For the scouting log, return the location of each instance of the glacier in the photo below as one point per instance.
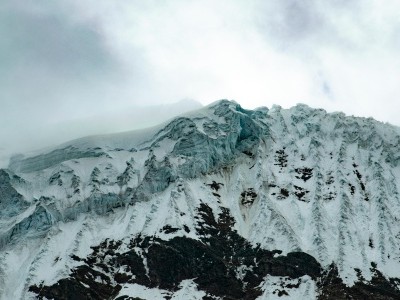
(298, 186)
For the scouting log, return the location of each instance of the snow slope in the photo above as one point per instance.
(295, 180)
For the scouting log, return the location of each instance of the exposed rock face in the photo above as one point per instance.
(224, 202)
(222, 263)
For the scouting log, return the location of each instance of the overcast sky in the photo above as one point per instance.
(66, 62)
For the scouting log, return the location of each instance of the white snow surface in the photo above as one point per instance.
(349, 213)
(187, 291)
(283, 288)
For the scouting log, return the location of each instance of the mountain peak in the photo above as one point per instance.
(291, 195)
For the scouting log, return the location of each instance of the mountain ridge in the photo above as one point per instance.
(295, 180)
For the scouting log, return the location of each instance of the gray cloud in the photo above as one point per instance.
(302, 25)
(51, 41)
(54, 68)
(291, 21)
(68, 61)
(44, 54)
(347, 47)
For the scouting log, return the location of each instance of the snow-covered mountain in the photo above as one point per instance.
(221, 203)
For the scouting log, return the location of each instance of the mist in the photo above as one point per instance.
(74, 68)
